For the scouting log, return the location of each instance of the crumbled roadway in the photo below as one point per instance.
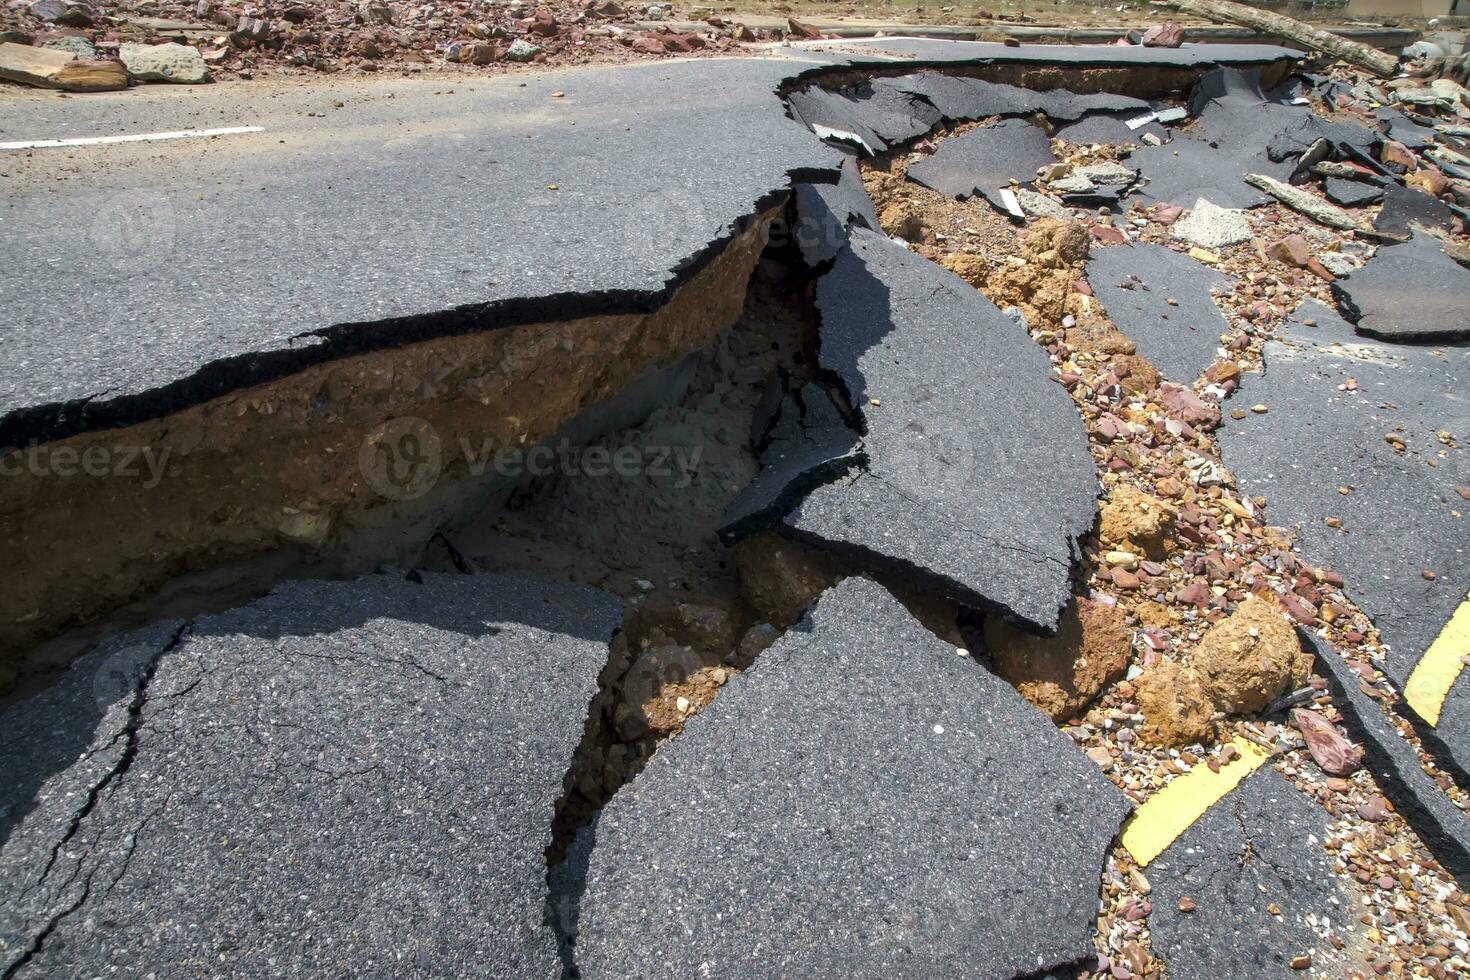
(1440, 824)
(171, 304)
(863, 802)
(1260, 846)
(320, 783)
(1319, 436)
(975, 483)
(1161, 299)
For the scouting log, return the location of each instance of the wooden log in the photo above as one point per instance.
(1362, 56)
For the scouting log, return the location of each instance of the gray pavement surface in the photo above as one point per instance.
(961, 99)
(1439, 823)
(1260, 845)
(1108, 127)
(861, 803)
(1397, 519)
(984, 160)
(1408, 292)
(322, 783)
(974, 483)
(1135, 284)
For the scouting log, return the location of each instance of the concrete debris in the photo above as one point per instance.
(1212, 227)
(1308, 204)
(177, 63)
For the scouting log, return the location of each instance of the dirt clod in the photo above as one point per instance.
(1062, 674)
(1251, 658)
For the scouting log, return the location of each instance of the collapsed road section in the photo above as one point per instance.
(797, 648)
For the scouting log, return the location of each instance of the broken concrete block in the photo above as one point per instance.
(375, 757)
(863, 784)
(975, 483)
(1305, 202)
(984, 160)
(1212, 227)
(1136, 284)
(178, 63)
(1256, 850)
(32, 66)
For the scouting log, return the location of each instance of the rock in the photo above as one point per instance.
(543, 22)
(800, 30)
(1063, 673)
(1293, 250)
(476, 53)
(84, 49)
(32, 66)
(1308, 204)
(1339, 264)
(250, 30)
(178, 63)
(1108, 173)
(1175, 707)
(1136, 374)
(92, 76)
(1251, 658)
(1329, 747)
(1212, 227)
(521, 50)
(1165, 35)
(1135, 522)
(1182, 403)
(64, 13)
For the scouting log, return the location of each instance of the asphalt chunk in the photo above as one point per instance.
(961, 99)
(1439, 823)
(1409, 292)
(825, 211)
(1136, 283)
(1351, 193)
(984, 160)
(1108, 127)
(974, 483)
(1258, 848)
(831, 116)
(861, 803)
(1335, 399)
(342, 778)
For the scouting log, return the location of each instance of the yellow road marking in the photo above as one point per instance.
(1170, 811)
(1440, 666)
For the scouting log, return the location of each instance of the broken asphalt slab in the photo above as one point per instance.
(973, 482)
(1409, 292)
(1136, 284)
(862, 802)
(324, 782)
(985, 160)
(961, 99)
(1332, 398)
(1260, 846)
(824, 212)
(1439, 823)
(168, 302)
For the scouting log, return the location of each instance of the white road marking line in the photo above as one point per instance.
(138, 138)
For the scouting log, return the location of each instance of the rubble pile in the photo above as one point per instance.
(218, 39)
